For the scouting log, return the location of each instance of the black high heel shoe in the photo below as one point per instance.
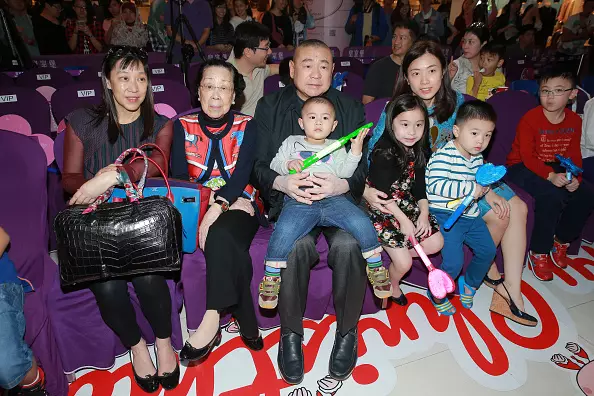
(168, 381)
(188, 352)
(255, 344)
(506, 307)
(402, 300)
(149, 383)
(492, 283)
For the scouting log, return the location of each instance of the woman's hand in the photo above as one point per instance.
(423, 228)
(245, 205)
(452, 68)
(108, 168)
(88, 192)
(498, 204)
(85, 29)
(212, 214)
(377, 199)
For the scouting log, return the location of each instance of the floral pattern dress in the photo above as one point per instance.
(387, 227)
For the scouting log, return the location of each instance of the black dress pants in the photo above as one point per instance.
(349, 279)
(118, 313)
(229, 268)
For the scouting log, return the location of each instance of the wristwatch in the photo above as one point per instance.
(223, 204)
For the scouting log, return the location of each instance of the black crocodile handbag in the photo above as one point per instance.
(107, 240)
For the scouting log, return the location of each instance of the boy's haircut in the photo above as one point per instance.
(410, 25)
(315, 43)
(493, 48)
(556, 72)
(476, 110)
(319, 100)
(249, 34)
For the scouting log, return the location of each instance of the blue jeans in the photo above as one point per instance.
(470, 231)
(16, 357)
(297, 220)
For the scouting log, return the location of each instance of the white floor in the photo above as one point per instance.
(415, 352)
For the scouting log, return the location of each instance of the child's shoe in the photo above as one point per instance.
(559, 254)
(268, 292)
(541, 266)
(380, 280)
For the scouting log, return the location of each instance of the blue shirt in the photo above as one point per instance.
(8, 273)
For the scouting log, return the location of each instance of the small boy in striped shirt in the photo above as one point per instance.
(450, 176)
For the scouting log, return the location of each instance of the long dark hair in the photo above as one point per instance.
(107, 109)
(445, 99)
(301, 12)
(226, 18)
(397, 150)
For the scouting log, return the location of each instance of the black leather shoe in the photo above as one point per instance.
(255, 344)
(290, 357)
(168, 380)
(344, 355)
(402, 300)
(188, 352)
(149, 383)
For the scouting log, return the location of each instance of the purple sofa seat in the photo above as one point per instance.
(84, 340)
(24, 217)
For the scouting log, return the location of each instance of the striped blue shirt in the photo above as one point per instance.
(451, 176)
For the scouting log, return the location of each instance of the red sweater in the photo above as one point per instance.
(537, 141)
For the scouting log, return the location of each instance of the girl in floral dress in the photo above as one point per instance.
(397, 168)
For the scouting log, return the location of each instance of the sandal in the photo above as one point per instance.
(507, 308)
(492, 283)
(465, 298)
(268, 292)
(380, 280)
(444, 308)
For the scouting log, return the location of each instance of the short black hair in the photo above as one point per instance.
(319, 100)
(410, 25)
(493, 48)
(249, 34)
(557, 72)
(476, 110)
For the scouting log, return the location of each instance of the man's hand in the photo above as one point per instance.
(573, 184)
(377, 199)
(326, 185)
(558, 179)
(290, 185)
(357, 142)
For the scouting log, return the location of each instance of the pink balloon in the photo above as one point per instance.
(47, 144)
(165, 110)
(47, 92)
(15, 123)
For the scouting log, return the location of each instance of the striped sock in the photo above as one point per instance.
(271, 271)
(374, 262)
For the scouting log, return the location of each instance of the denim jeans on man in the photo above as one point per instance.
(16, 357)
(298, 219)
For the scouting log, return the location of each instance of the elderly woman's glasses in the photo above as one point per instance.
(210, 88)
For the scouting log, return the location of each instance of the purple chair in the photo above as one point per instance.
(279, 54)
(165, 70)
(171, 94)
(373, 110)
(367, 54)
(510, 107)
(468, 97)
(74, 96)
(24, 217)
(21, 106)
(272, 84)
(91, 73)
(215, 54)
(516, 69)
(354, 86)
(335, 51)
(6, 80)
(35, 78)
(352, 65)
(193, 84)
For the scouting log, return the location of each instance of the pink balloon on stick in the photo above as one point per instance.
(440, 283)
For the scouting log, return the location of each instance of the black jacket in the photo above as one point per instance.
(276, 116)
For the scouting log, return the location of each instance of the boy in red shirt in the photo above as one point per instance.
(561, 206)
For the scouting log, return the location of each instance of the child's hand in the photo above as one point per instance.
(295, 165)
(573, 184)
(357, 142)
(479, 190)
(478, 77)
(558, 179)
(499, 205)
(423, 228)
